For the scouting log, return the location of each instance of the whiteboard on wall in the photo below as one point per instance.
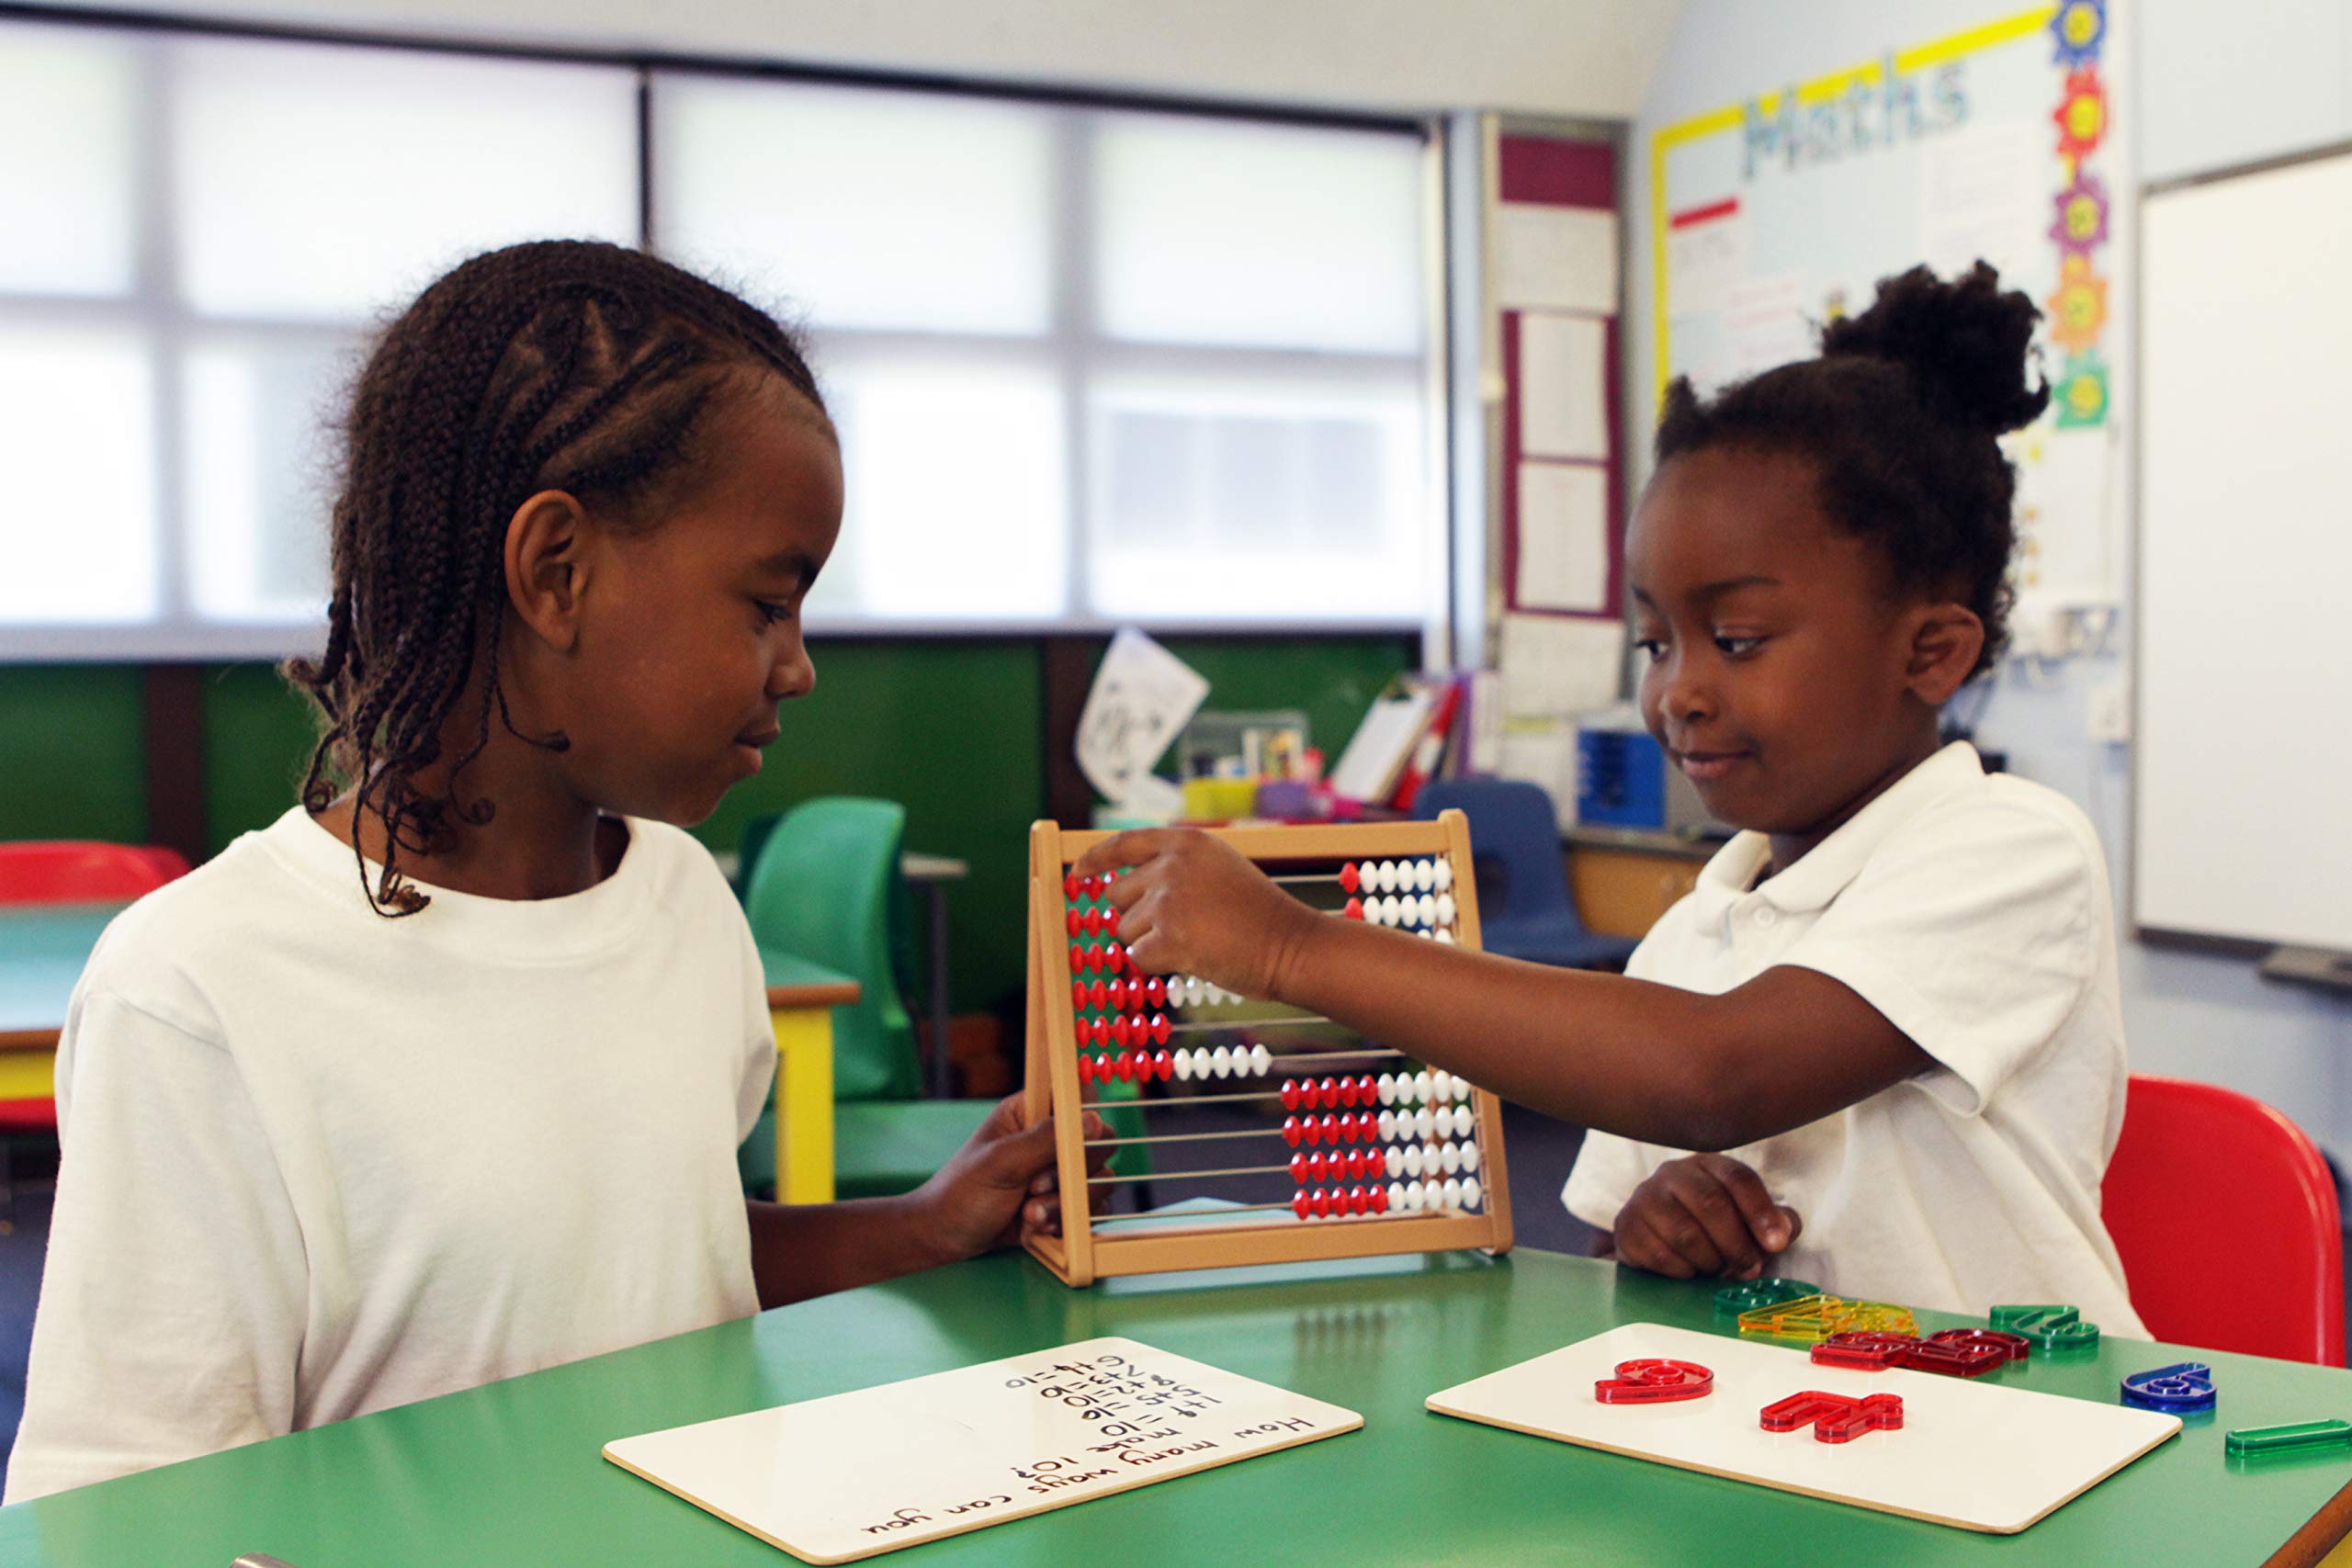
(2241, 782)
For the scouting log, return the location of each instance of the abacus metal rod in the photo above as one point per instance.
(1181, 1138)
(1190, 1175)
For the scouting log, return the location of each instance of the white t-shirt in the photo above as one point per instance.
(318, 1162)
(1972, 910)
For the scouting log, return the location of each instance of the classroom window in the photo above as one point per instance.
(1091, 365)
(1088, 364)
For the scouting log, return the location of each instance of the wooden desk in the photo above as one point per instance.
(1623, 878)
(512, 1474)
(44, 948)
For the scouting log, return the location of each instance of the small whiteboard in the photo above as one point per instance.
(836, 1479)
(1972, 1454)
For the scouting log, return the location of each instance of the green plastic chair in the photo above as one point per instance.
(826, 886)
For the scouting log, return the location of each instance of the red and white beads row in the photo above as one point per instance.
(1426, 1126)
(1396, 1162)
(1431, 914)
(1397, 877)
(1201, 1064)
(1388, 1088)
(1453, 1195)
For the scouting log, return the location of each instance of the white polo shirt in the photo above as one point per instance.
(1972, 910)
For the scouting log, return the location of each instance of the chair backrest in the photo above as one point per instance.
(1514, 846)
(73, 870)
(2225, 1214)
(828, 888)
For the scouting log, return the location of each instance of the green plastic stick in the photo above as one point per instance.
(2299, 1438)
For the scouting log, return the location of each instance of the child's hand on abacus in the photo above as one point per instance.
(1703, 1216)
(1192, 904)
(1002, 1179)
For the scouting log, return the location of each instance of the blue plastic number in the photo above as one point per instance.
(2181, 1387)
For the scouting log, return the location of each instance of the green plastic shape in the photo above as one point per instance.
(2302, 1436)
(1749, 1294)
(2052, 1326)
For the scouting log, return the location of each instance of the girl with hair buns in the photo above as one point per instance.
(439, 1078)
(1888, 1013)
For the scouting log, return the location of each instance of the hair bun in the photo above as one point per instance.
(1965, 342)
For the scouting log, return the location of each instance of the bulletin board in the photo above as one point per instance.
(1773, 215)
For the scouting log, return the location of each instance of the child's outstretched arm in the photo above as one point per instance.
(1644, 1061)
(1001, 1179)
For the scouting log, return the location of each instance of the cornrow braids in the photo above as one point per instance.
(1902, 416)
(558, 364)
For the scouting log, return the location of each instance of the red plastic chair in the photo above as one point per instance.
(2225, 1214)
(69, 871)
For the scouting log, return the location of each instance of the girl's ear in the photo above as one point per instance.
(546, 570)
(1945, 641)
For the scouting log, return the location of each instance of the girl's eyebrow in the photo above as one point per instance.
(792, 561)
(1715, 591)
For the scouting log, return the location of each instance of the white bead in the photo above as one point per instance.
(1425, 933)
(1465, 1121)
(1441, 1085)
(1181, 1064)
(1387, 1124)
(1469, 1157)
(1453, 1193)
(1421, 1085)
(1445, 936)
(1221, 1062)
(1413, 1160)
(1261, 1061)
(1442, 906)
(1470, 1193)
(1400, 912)
(1413, 1193)
(1395, 1160)
(1421, 876)
(1425, 909)
(1388, 876)
(1442, 875)
(1199, 1055)
(1387, 1088)
(1451, 1157)
(1396, 1197)
(1463, 1088)
(1424, 1124)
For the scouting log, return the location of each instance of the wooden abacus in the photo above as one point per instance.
(1355, 1145)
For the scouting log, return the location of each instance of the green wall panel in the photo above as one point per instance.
(73, 752)
(258, 732)
(953, 728)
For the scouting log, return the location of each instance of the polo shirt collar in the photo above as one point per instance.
(1832, 864)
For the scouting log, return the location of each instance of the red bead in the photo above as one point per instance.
(1086, 1069)
(1328, 1091)
(1111, 921)
(1090, 923)
(1290, 1094)
(1368, 1089)
(1076, 923)
(1090, 885)
(1114, 957)
(1071, 888)
(1322, 1203)
(1298, 1168)
(1163, 1066)
(1155, 991)
(1379, 1198)
(1347, 1092)
(1099, 994)
(1301, 1204)
(1294, 1130)
(1077, 995)
(1367, 1126)
(1119, 1029)
(1354, 910)
(1077, 958)
(1334, 1126)
(1349, 878)
(1312, 1128)
(1362, 1164)
(1358, 1200)
(1161, 1028)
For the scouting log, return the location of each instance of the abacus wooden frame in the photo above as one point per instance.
(1078, 1256)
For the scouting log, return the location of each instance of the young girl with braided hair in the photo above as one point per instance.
(1887, 1016)
(439, 1078)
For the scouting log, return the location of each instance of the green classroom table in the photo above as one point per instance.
(512, 1474)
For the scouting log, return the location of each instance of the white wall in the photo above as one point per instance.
(2209, 85)
(1557, 57)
